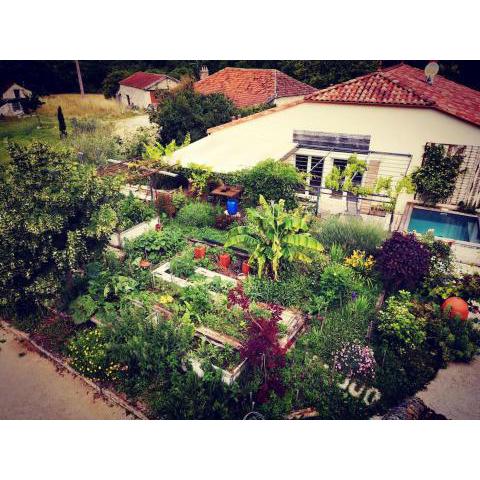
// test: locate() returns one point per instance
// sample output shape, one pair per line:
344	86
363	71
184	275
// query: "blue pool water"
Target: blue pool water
447	225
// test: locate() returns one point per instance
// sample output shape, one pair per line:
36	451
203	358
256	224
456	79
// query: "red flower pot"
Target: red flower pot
458	307
144	263
199	252
245	267
224	260
158	227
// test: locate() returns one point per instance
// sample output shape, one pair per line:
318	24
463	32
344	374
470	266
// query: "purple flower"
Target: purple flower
354	296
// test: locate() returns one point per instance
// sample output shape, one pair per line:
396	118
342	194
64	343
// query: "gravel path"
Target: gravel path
32	388
455	391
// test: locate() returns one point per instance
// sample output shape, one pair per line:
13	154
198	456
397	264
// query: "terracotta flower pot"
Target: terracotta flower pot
158	227
224	260
144	263
458	307
245	267
199	252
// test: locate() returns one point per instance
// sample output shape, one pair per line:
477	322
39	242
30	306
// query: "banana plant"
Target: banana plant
273	236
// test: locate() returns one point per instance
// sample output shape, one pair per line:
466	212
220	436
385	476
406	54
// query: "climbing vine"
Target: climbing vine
435	180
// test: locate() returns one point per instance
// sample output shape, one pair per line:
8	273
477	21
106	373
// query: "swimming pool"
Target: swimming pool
454	226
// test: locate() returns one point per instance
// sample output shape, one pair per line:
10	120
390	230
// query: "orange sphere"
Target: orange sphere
458	307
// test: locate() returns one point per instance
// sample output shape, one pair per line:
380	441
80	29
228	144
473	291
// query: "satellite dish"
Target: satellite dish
431	70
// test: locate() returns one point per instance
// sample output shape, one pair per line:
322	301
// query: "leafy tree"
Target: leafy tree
185	111
61	123
435	180
274	236
274	180
55	214
110	82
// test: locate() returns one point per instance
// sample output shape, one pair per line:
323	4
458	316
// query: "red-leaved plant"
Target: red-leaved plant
262	348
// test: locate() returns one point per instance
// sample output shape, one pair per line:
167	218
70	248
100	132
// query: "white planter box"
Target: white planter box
228	376
117	239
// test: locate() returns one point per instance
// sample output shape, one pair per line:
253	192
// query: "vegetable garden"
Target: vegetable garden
209	315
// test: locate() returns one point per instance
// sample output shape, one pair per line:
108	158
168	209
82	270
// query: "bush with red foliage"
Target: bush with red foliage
403	262
262	348
164	203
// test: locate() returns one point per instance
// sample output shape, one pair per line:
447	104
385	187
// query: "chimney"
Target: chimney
203	72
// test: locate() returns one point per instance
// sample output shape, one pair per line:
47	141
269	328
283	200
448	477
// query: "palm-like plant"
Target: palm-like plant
273	235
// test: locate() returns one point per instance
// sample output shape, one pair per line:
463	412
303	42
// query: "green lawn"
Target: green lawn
24	130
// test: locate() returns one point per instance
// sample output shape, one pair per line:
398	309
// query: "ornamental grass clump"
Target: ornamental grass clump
355	361
403	262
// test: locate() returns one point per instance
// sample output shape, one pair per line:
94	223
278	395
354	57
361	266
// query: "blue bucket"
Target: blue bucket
232	206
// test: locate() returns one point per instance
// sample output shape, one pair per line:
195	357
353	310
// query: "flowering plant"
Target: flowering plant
360	261
89	356
355	361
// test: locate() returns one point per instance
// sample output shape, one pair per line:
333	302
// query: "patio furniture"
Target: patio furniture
227	192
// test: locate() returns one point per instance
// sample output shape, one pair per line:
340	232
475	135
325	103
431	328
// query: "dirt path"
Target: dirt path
127	125
32	388
455	391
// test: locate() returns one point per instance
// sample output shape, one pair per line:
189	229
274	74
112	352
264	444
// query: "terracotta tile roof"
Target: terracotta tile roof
142	80
405	86
252	86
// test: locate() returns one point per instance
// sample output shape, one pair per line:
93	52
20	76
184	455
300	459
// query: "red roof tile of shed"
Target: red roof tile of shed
405	86
252	86
142	80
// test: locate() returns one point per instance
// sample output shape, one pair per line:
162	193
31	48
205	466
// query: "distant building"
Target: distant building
11	94
248	87
138	90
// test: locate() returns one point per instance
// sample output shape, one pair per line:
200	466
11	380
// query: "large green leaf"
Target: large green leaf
304	240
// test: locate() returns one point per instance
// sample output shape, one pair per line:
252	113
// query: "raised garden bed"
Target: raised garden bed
224	358
117	240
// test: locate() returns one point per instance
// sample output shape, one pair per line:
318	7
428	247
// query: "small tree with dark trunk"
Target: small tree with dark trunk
62	126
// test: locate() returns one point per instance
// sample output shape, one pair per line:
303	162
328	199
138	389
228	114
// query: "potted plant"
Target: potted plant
224	260
378	210
199	252
144	263
332	181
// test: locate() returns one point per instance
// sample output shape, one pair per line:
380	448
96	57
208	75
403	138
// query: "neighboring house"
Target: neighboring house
248	87
10	95
138	90
386	117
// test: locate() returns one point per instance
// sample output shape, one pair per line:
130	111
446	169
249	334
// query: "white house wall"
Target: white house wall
10	92
392	130
139	98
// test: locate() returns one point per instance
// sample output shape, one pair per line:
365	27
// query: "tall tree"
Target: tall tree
55	214
185	111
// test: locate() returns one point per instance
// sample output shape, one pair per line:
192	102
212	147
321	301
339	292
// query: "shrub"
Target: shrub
157	246
197	214
274	180
403	262
399	326
164	203
179	199
132	211
351	234
337	283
